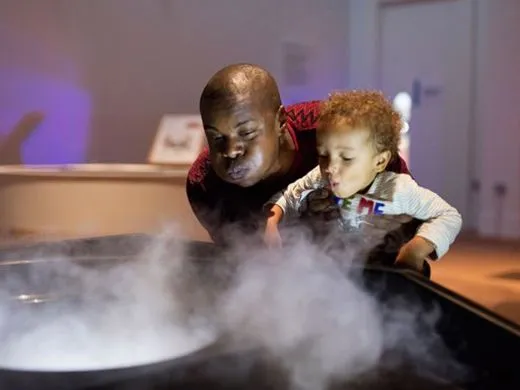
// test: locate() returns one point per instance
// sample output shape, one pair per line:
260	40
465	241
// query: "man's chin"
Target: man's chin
246	181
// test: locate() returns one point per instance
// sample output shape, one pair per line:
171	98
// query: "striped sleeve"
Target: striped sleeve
290	199
442	222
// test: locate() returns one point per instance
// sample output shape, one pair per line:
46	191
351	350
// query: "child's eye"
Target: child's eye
346	159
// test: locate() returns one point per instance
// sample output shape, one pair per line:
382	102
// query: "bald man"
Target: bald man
256	148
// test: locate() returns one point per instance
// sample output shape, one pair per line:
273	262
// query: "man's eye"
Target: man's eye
249	134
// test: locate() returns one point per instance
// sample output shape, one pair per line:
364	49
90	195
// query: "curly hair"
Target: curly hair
364	108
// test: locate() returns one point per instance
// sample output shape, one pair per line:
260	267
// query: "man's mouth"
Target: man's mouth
237	173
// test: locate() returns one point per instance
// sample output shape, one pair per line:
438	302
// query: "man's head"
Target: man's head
357	136
242	115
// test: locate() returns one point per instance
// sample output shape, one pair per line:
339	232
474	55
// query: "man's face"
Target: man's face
348	159
243	141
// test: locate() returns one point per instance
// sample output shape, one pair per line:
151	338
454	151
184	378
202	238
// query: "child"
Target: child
357	137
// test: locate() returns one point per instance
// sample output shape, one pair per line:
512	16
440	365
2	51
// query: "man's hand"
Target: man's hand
414	253
319	203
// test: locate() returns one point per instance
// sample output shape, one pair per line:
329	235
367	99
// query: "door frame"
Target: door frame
473	192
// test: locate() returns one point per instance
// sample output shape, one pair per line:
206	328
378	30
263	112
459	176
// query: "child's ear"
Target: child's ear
382	160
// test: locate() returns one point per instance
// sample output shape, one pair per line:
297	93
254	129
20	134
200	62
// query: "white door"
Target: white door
426	51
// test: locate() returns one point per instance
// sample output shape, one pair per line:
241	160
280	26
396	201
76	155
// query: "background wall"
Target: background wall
496	141
498	115
104	72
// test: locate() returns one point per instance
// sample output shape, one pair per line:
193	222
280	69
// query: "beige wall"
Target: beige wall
104	72
118	65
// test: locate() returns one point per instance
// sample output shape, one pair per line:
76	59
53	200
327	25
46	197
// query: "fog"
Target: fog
103	317
307	310
311	312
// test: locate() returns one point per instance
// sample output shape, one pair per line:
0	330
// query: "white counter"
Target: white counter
95	170
93	199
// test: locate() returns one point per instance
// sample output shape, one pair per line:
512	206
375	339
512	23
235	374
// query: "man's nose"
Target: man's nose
233	149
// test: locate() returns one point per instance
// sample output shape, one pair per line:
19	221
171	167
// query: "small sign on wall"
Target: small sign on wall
179	140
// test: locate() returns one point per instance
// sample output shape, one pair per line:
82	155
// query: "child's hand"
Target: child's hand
272	236
319	203
414	253
408	262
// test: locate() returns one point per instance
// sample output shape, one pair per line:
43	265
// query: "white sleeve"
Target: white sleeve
290	199
442	222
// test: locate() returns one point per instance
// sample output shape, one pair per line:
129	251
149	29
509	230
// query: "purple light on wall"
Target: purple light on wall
63	135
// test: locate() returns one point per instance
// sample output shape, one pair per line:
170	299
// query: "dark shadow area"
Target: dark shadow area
513	275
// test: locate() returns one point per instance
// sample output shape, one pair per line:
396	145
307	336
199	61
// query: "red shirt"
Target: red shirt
218	204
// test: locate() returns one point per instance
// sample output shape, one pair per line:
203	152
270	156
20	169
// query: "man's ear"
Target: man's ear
382	160
281	119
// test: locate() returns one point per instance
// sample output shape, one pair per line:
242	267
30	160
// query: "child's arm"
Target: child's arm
288	203
289	200
442	221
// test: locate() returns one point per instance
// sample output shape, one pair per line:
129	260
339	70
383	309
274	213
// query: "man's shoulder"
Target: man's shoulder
200	169
303	116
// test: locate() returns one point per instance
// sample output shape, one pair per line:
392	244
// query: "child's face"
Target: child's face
348	159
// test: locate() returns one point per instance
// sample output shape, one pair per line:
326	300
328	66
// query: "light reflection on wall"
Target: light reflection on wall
62	137
403	104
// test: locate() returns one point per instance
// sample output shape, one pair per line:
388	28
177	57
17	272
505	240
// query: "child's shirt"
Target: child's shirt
391	200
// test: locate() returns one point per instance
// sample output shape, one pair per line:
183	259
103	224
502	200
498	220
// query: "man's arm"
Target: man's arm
203	203
202	211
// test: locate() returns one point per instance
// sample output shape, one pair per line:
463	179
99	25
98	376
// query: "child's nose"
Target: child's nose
332	168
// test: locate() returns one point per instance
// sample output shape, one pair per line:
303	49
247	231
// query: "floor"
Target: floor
485	272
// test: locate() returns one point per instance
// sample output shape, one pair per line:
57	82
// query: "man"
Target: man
256	148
